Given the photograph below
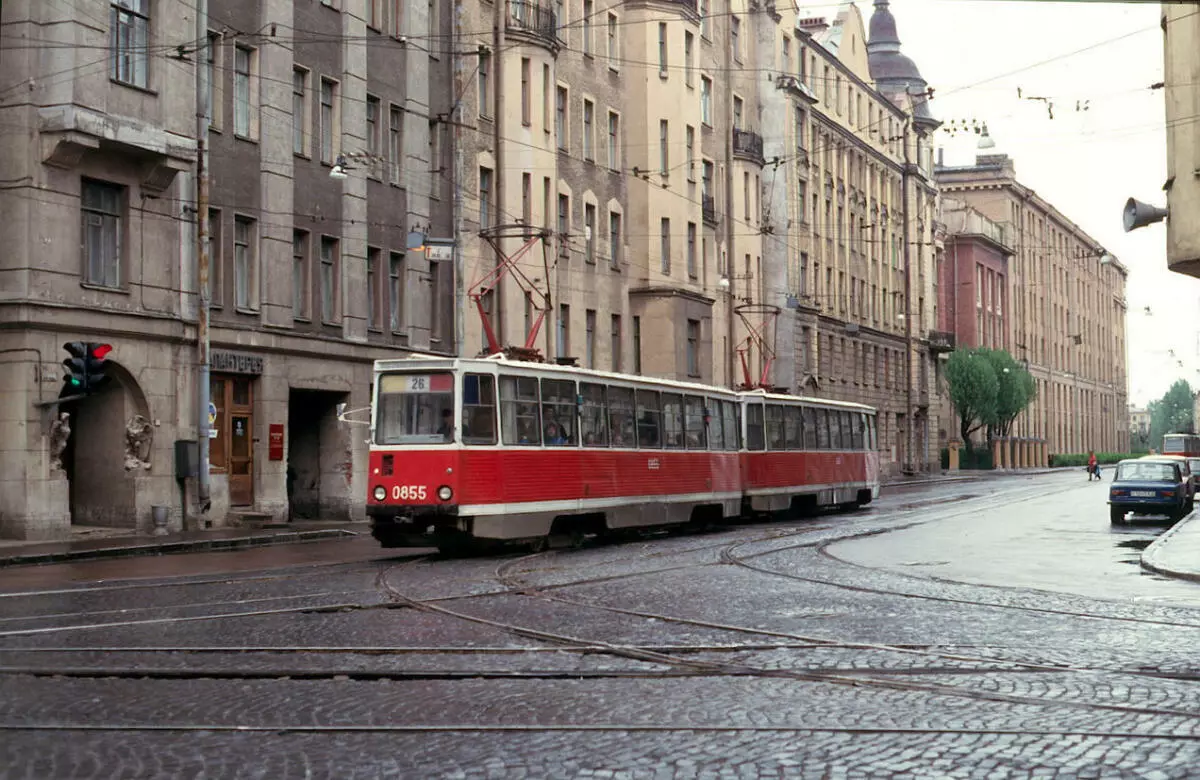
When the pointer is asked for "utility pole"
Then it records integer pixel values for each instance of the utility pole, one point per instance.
(908, 343)
(203, 111)
(456, 119)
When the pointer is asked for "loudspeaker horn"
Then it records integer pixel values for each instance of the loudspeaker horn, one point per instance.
(1138, 214)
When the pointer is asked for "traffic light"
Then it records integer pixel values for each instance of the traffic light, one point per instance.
(86, 367)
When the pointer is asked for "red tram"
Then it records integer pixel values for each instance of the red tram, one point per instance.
(467, 450)
(1185, 444)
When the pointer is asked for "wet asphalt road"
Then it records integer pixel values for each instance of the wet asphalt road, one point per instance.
(978, 629)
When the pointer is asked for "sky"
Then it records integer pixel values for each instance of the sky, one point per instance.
(1106, 142)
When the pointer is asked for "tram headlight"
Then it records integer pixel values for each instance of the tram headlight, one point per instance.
(380, 492)
(445, 493)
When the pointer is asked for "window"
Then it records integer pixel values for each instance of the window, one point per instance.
(526, 107)
(663, 152)
(589, 221)
(373, 296)
(786, 54)
(564, 221)
(558, 412)
(706, 181)
(520, 410)
(693, 347)
(706, 100)
(374, 143)
(589, 131)
(395, 149)
(592, 422)
(649, 418)
(746, 193)
(527, 198)
(755, 433)
(329, 264)
(672, 421)
(690, 142)
(689, 45)
(614, 239)
(620, 416)
(299, 111)
(415, 409)
(398, 17)
(479, 409)
(637, 345)
(612, 40)
(589, 11)
(101, 210)
(300, 274)
(735, 37)
(731, 420)
(697, 436)
(245, 264)
(691, 250)
(485, 196)
(704, 14)
(328, 117)
(396, 291)
(614, 140)
(564, 330)
(213, 56)
(546, 98)
(547, 189)
(483, 75)
(589, 330)
(245, 101)
(662, 49)
(737, 113)
(664, 245)
(775, 432)
(130, 26)
(615, 342)
(560, 116)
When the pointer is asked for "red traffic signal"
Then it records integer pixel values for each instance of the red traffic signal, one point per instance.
(100, 351)
(86, 366)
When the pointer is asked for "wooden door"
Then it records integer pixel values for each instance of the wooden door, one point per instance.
(232, 450)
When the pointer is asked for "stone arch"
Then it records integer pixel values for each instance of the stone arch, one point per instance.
(103, 489)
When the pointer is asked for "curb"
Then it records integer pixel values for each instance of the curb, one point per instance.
(170, 548)
(1150, 556)
(985, 475)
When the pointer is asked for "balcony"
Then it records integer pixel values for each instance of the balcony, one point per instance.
(941, 341)
(748, 145)
(708, 208)
(526, 19)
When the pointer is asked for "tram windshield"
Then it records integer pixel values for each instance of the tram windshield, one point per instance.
(415, 409)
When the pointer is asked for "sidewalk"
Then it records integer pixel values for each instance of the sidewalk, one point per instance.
(1176, 552)
(20, 553)
(964, 475)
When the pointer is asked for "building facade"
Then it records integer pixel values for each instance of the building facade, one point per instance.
(1064, 313)
(973, 279)
(311, 278)
(1181, 95)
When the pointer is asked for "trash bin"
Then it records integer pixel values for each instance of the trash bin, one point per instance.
(159, 515)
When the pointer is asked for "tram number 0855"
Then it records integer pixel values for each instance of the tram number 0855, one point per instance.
(409, 492)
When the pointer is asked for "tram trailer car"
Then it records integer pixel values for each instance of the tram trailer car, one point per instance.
(1185, 444)
(491, 449)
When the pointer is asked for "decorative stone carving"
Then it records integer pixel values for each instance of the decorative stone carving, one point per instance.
(60, 432)
(139, 434)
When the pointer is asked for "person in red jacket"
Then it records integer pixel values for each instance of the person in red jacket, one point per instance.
(1093, 468)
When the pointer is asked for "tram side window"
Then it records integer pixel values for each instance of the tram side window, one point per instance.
(860, 430)
(716, 431)
(593, 424)
(810, 428)
(558, 412)
(775, 433)
(479, 409)
(835, 430)
(822, 429)
(620, 416)
(794, 426)
(672, 418)
(847, 431)
(697, 436)
(731, 421)
(874, 445)
(649, 418)
(754, 427)
(520, 421)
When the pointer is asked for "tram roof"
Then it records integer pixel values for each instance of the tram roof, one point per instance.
(427, 361)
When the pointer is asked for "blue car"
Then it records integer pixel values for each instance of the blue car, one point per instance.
(1149, 486)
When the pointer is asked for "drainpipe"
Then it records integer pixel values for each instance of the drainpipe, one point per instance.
(730, 242)
(203, 110)
(456, 119)
(908, 343)
(498, 19)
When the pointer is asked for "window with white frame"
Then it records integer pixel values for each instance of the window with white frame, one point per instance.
(526, 93)
(664, 244)
(735, 37)
(374, 143)
(245, 98)
(300, 296)
(245, 264)
(213, 55)
(614, 239)
(328, 279)
(564, 222)
(546, 93)
(612, 48)
(590, 237)
(485, 197)
(589, 130)
(662, 48)
(299, 111)
(560, 116)
(704, 14)
(689, 71)
(129, 23)
(690, 142)
(396, 291)
(329, 113)
(101, 205)
(691, 251)
(589, 10)
(614, 140)
(484, 78)
(395, 148)
(706, 100)
(664, 157)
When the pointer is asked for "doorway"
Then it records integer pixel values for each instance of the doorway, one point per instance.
(318, 449)
(232, 449)
(101, 491)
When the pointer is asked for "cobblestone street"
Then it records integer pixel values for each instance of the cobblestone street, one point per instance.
(826, 647)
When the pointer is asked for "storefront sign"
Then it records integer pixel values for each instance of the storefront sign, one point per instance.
(234, 363)
(276, 442)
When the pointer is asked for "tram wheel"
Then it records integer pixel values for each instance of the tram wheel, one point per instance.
(539, 544)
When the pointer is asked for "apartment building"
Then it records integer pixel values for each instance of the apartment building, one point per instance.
(1062, 306)
(973, 284)
(1181, 95)
(311, 275)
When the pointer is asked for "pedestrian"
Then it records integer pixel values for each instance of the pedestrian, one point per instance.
(1093, 468)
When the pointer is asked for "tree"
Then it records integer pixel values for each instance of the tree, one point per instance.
(1015, 388)
(973, 390)
(1172, 413)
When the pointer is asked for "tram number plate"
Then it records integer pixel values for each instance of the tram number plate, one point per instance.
(409, 492)
(1143, 494)
(653, 464)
